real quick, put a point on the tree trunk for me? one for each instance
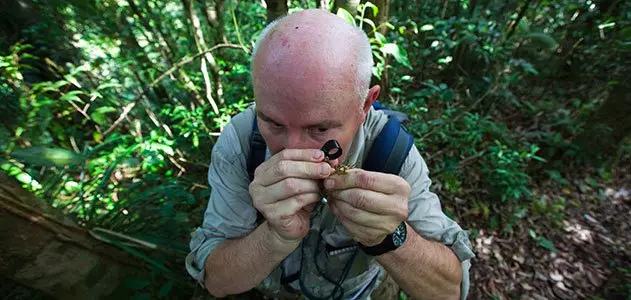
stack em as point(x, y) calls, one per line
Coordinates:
point(348, 5)
point(275, 9)
point(200, 43)
point(610, 125)
point(45, 251)
point(214, 18)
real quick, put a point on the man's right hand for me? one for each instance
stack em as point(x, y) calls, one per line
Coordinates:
point(285, 189)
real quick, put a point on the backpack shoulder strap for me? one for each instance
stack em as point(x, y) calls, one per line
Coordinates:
point(390, 148)
point(257, 150)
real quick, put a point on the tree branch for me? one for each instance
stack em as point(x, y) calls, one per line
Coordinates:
point(174, 68)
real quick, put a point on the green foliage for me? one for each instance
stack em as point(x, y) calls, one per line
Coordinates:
point(495, 105)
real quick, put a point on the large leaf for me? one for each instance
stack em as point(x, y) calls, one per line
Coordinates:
point(48, 156)
point(397, 52)
point(72, 96)
point(380, 38)
point(99, 114)
point(344, 14)
point(375, 9)
point(541, 39)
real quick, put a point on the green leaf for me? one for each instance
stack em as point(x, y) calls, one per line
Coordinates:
point(141, 296)
point(48, 156)
point(468, 38)
point(546, 244)
point(72, 96)
point(195, 140)
point(427, 27)
point(397, 52)
point(403, 295)
point(380, 38)
point(541, 39)
point(136, 283)
point(99, 114)
point(344, 14)
point(375, 9)
point(165, 289)
point(523, 24)
point(370, 22)
point(108, 85)
point(532, 234)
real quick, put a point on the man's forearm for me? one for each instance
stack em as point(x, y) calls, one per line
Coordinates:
point(424, 269)
point(239, 265)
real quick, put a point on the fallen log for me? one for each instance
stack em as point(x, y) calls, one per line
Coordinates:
point(44, 250)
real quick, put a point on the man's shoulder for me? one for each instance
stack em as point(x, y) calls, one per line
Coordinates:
point(236, 134)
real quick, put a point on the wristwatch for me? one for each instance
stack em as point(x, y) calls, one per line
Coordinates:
point(392, 242)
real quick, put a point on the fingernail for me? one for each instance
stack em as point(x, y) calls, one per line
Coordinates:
point(324, 169)
point(318, 154)
point(329, 183)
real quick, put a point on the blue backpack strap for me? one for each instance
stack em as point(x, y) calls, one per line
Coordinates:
point(390, 148)
point(402, 117)
point(257, 150)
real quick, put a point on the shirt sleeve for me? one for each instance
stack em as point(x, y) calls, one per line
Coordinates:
point(427, 218)
point(230, 213)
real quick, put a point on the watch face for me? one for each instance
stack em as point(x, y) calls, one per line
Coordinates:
point(398, 237)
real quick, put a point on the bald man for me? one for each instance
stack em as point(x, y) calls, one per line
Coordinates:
point(311, 75)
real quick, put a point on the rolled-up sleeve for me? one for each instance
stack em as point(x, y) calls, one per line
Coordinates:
point(428, 219)
point(230, 213)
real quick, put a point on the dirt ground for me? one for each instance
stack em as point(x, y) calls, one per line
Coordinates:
point(592, 242)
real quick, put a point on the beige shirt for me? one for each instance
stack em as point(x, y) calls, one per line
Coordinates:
point(231, 214)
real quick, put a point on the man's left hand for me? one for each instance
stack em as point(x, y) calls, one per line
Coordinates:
point(370, 205)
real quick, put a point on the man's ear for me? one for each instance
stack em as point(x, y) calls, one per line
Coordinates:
point(373, 94)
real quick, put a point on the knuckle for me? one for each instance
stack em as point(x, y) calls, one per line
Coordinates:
point(282, 168)
point(361, 200)
point(402, 213)
point(366, 179)
point(292, 185)
point(285, 154)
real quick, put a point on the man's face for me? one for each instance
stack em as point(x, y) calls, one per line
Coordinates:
point(305, 118)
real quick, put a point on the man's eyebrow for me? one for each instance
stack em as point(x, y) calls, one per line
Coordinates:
point(323, 124)
point(264, 117)
point(326, 124)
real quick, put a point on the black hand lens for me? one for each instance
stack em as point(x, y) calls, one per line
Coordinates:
point(332, 149)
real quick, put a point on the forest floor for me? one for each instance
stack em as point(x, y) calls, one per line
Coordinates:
point(593, 247)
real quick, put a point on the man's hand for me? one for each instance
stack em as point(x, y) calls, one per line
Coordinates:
point(285, 189)
point(370, 205)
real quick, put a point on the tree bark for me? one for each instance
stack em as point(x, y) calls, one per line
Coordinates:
point(214, 18)
point(45, 251)
point(275, 9)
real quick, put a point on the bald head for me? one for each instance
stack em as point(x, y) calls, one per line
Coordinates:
point(313, 51)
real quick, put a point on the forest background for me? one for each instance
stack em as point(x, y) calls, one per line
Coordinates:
point(522, 109)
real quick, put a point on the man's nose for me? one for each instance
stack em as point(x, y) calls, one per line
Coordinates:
point(296, 140)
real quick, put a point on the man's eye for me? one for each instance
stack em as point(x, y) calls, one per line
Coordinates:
point(275, 125)
point(319, 130)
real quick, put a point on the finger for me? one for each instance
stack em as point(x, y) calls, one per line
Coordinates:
point(374, 202)
point(363, 234)
point(384, 223)
point(289, 207)
point(289, 168)
point(287, 188)
point(306, 155)
point(375, 181)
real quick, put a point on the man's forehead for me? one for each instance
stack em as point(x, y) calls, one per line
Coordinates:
point(300, 114)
